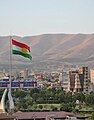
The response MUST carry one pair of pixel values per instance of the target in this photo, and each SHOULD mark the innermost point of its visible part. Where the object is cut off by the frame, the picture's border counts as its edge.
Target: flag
(21, 49)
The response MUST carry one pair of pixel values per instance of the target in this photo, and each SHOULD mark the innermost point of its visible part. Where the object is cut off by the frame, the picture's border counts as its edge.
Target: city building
(85, 81)
(79, 80)
(18, 84)
(74, 82)
(92, 75)
(63, 78)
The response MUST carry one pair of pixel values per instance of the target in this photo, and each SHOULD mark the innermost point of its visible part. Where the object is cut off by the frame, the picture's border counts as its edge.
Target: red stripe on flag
(22, 45)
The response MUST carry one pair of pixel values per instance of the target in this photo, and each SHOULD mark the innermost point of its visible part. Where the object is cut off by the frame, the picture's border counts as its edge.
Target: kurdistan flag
(21, 49)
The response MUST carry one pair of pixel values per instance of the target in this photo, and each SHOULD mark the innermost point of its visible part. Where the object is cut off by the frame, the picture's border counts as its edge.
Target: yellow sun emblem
(24, 50)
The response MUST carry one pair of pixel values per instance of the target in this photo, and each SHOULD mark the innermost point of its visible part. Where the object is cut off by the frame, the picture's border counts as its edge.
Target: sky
(35, 17)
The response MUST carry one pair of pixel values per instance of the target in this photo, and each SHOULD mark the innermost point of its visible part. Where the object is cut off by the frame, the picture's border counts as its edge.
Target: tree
(89, 99)
(66, 107)
(40, 106)
(34, 106)
(20, 94)
(29, 103)
(92, 116)
(33, 90)
(53, 108)
(80, 97)
(69, 97)
(35, 97)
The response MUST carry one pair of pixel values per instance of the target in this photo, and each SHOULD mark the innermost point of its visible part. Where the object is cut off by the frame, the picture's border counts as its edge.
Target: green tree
(66, 107)
(40, 106)
(89, 99)
(35, 96)
(33, 90)
(69, 97)
(80, 97)
(20, 94)
(34, 106)
(92, 116)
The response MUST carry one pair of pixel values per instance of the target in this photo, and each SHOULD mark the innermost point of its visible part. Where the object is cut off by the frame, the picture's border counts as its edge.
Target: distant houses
(74, 79)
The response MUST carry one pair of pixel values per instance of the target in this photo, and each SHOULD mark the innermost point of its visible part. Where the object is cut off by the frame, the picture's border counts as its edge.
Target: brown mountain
(52, 47)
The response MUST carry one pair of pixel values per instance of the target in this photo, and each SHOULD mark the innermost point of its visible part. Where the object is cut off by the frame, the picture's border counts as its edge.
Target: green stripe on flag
(21, 53)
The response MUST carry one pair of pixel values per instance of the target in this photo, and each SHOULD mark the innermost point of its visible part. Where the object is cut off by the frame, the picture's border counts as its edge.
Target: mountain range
(71, 48)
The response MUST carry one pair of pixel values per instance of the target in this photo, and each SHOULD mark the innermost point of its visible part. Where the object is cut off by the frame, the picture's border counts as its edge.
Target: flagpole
(10, 79)
(10, 64)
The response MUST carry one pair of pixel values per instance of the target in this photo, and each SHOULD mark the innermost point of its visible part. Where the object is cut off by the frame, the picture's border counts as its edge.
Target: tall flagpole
(10, 64)
(11, 103)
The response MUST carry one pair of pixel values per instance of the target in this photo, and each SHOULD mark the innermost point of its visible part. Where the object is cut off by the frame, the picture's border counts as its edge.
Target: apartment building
(74, 82)
(92, 75)
(79, 80)
(85, 81)
(63, 79)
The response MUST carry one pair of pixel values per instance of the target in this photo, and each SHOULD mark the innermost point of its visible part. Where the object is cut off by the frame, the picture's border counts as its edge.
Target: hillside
(52, 47)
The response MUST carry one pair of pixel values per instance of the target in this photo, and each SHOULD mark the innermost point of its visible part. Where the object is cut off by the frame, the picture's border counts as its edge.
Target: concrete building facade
(79, 80)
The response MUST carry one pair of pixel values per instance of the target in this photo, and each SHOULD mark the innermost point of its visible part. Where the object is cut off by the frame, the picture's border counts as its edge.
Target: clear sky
(34, 17)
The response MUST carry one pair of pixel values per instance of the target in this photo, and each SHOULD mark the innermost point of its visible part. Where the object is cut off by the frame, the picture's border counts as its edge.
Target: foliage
(40, 106)
(66, 107)
(28, 99)
(89, 99)
(79, 96)
(92, 116)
